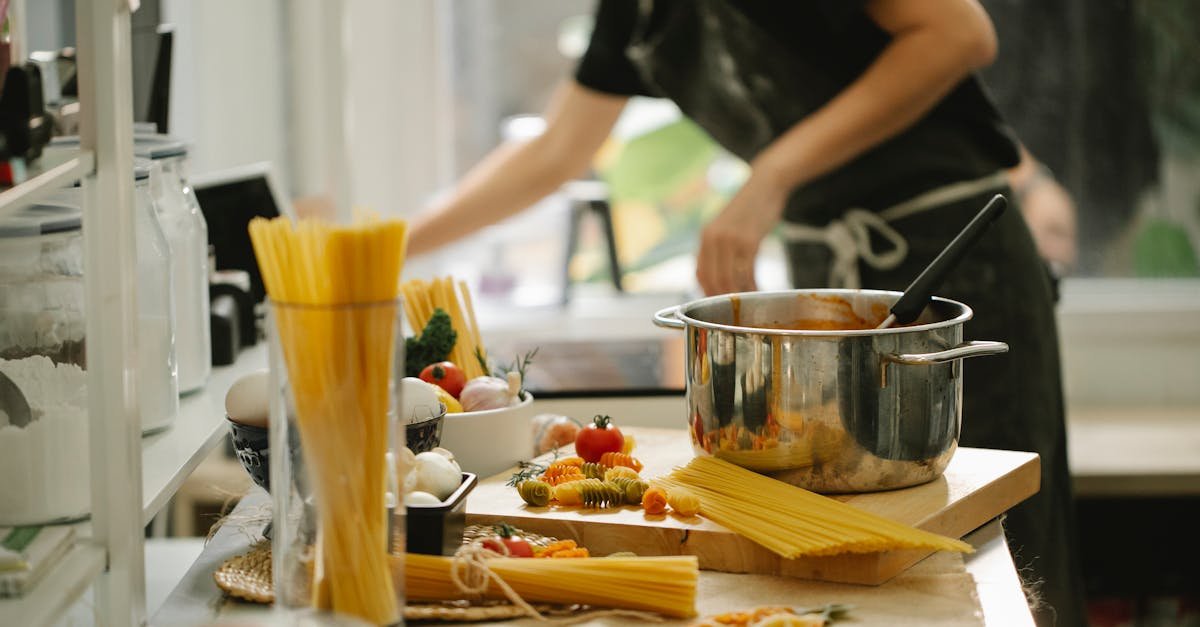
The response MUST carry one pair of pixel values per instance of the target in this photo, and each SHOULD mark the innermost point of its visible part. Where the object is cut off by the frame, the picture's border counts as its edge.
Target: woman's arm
(935, 44)
(518, 174)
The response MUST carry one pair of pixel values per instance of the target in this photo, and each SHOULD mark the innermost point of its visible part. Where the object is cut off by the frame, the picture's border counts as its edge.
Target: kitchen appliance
(801, 386)
(230, 199)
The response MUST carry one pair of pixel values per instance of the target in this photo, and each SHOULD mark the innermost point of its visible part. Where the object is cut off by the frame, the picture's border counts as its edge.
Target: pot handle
(668, 318)
(962, 351)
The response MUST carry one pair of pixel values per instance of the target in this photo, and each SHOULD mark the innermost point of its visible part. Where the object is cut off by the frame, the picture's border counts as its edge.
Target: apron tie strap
(850, 240)
(849, 237)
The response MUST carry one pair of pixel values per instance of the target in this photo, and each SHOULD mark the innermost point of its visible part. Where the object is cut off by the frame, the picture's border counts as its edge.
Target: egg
(421, 498)
(418, 401)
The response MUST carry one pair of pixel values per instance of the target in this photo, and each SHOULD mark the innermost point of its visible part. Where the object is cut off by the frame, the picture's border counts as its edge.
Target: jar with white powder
(43, 351)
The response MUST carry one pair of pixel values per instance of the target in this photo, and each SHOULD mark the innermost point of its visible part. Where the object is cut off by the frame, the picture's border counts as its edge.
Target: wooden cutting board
(978, 485)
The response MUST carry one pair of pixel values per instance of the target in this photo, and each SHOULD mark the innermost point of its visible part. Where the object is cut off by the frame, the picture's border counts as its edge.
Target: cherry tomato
(445, 375)
(598, 438)
(505, 539)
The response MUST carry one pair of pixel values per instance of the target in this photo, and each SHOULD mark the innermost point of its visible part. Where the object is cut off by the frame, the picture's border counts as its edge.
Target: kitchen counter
(918, 595)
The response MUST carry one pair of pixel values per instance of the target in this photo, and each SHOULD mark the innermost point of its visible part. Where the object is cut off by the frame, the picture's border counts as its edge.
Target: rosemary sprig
(529, 470)
(520, 365)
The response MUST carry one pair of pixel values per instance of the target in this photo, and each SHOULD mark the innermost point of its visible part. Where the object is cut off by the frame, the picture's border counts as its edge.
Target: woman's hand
(729, 243)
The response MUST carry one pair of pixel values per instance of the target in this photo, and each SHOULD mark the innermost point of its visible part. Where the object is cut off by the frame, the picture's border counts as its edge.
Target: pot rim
(966, 314)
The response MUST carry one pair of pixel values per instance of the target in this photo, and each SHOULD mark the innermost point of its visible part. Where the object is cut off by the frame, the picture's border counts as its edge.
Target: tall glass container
(187, 233)
(43, 455)
(338, 532)
(158, 373)
(183, 225)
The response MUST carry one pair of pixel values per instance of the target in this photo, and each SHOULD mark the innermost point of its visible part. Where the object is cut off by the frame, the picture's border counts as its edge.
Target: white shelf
(57, 168)
(170, 456)
(58, 589)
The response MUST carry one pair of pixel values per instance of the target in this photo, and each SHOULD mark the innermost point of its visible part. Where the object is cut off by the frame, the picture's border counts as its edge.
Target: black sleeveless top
(748, 70)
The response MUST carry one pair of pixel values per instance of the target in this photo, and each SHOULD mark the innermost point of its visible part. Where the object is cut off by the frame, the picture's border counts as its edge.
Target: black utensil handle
(913, 302)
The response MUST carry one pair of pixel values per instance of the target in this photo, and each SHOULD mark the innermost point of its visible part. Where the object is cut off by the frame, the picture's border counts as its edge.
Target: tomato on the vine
(446, 375)
(506, 542)
(598, 438)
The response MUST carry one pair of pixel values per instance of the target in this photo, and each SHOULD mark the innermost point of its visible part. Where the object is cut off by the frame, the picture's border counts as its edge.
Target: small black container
(438, 529)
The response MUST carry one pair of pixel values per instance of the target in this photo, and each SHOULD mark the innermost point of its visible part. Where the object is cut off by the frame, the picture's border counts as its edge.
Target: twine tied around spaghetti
(470, 573)
(472, 576)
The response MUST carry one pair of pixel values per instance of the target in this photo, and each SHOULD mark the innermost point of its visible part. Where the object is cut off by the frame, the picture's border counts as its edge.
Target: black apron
(741, 87)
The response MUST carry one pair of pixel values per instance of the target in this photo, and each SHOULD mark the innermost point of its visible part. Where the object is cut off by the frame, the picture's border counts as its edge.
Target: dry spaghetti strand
(791, 521)
(334, 290)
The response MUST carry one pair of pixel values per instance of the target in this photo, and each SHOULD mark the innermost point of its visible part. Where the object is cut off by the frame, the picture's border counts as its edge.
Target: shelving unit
(131, 478)
(54, 170)
(170, 456)
(69, 578)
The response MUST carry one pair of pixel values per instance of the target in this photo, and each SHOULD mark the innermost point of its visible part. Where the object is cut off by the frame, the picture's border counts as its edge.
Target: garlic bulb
(483, 393)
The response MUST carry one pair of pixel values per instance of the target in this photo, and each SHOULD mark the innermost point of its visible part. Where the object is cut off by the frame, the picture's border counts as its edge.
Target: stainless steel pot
(799, 385)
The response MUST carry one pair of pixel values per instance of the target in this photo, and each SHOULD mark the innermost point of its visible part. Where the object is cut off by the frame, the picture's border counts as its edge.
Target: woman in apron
(871, 144)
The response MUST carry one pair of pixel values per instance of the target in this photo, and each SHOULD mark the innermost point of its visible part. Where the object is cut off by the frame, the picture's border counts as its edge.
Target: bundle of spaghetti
(421, 298)
(334, 291)
(791, 521)
(666, 585)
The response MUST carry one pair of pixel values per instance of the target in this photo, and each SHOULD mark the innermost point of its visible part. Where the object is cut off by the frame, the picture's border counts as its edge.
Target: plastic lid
(37, 220)
(150, 146)
(141, 168)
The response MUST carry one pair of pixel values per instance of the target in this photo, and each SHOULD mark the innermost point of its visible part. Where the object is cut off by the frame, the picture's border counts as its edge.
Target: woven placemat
(248, 577)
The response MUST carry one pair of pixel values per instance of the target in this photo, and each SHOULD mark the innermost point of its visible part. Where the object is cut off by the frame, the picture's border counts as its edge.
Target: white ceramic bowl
(489, 442)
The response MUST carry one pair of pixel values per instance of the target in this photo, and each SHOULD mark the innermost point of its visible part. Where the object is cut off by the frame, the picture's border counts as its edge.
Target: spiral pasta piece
(574, 460)
(534, 492)
(683, 501)
(620, 472)
(633, 489)
(593, 470)
(557, 470)
(564, 478)
(654, 501)
(568, 493)
(609, 460)
(596, 493)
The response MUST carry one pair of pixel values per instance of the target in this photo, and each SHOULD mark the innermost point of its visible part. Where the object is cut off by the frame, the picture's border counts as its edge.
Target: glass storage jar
(44, 461)
(158, 372)
(338, 528)
(187, 233)
(183, 224)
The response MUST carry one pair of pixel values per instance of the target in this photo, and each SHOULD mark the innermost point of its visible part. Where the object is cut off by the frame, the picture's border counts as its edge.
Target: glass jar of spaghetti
(338, 534)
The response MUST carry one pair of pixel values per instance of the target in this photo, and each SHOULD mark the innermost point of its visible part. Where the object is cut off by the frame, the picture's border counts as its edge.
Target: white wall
(228, 82)
(398, 110)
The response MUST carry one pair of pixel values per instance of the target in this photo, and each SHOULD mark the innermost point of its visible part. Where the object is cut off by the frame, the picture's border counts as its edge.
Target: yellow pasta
(619, 472)
(666, 585)
(568, 493)
(421, 298)
(335, 289)
(791, 521)
(683, 501)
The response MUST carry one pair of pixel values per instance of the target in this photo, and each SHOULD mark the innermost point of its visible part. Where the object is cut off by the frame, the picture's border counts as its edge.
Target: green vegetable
(436, 341)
